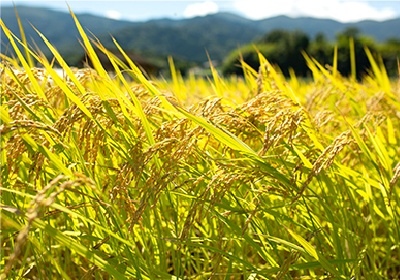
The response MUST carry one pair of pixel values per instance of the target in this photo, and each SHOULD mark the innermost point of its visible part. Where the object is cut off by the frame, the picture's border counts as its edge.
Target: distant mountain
(58, 27)
(187, 38)
(312, 26)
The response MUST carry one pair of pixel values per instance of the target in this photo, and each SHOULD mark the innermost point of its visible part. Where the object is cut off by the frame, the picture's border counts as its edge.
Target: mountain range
(189, 39)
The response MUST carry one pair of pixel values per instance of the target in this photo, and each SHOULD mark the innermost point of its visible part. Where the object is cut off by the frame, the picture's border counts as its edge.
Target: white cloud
(200, 9)
(113, 15)
(344, 11)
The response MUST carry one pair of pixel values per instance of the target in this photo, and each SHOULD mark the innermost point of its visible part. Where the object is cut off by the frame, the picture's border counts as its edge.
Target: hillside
(58, 27)
(187, 38)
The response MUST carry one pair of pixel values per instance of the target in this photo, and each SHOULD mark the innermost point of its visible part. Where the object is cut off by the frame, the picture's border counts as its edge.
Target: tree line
(284, 49)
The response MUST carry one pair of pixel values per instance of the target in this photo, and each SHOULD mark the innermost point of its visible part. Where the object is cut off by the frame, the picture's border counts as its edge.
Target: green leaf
(315, 254)
(79, 249)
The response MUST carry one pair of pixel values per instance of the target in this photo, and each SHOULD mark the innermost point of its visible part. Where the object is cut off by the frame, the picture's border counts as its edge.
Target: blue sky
(344, 11)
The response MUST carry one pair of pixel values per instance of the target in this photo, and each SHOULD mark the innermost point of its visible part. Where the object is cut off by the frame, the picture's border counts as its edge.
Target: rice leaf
(62, 63)
(24, 63)
(335, 59)
(138, 108)
(352, 59)
(144, 81)
(79, 249)
(90, 51)
(271, 71)
(21, 30)
(315, 254)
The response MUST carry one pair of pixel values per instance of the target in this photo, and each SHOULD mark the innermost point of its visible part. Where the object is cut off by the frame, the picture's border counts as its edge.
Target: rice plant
(228, 178)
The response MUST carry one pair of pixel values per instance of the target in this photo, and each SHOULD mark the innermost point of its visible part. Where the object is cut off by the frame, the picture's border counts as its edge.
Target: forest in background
(284, 49)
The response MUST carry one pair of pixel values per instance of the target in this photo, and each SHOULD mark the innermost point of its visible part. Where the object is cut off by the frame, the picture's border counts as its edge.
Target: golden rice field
(105, 177)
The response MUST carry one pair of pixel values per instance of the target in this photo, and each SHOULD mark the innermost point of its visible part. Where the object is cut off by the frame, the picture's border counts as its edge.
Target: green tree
(321, 49)
(249, 54)
(279, 47)
(360, 42)
(390, 52)
(283, 48)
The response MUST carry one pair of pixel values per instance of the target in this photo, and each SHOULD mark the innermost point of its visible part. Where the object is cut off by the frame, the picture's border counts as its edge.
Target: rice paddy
(255, 177)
